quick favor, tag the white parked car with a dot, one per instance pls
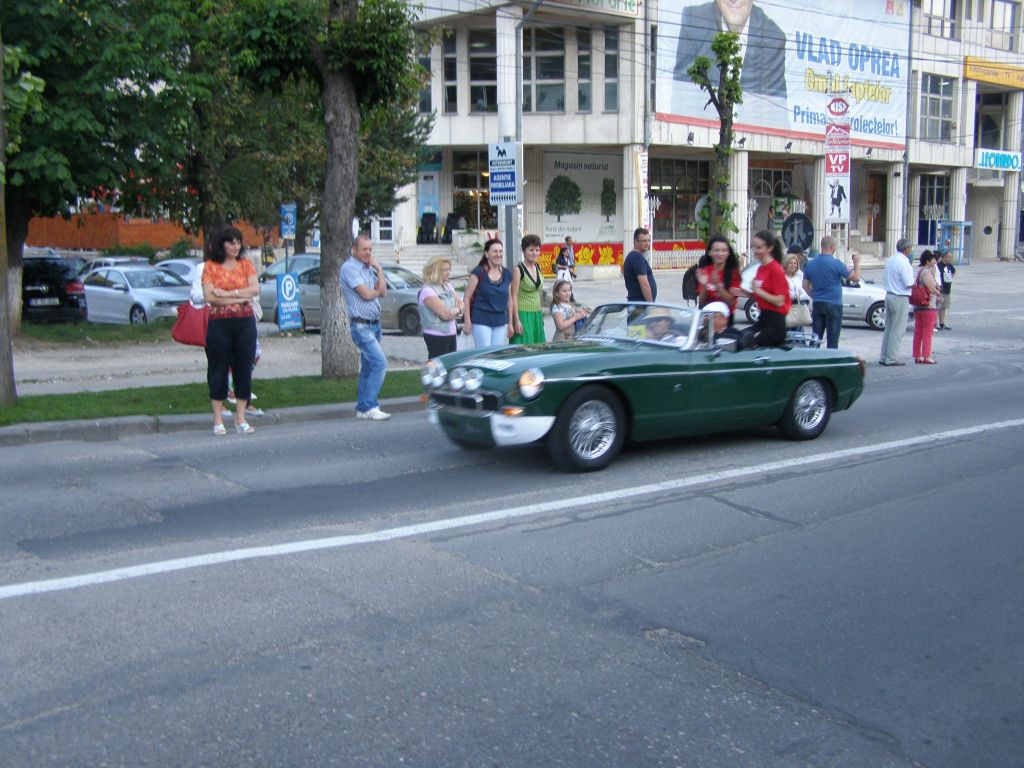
(135, 295)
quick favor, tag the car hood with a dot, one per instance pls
(578, 356)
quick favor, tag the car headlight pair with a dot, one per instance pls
(469, 380)
(433, 374)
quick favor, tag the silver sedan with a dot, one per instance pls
(133, 295)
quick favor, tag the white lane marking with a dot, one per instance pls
(467, 521)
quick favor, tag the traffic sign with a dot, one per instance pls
(289, 309)
(505, 170)
(288, 214)
(798, 230)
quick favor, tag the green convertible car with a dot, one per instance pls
(638, 371)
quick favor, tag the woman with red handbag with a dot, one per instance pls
(924, 315)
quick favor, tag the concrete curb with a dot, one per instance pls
(102, 430)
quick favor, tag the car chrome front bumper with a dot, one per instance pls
(489, 428)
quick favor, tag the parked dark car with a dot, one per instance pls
(51, 291)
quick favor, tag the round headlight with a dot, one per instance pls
(432, 374)
(474, 378)
(457, 379)
(530, 383)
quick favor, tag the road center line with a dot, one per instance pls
(467, 521)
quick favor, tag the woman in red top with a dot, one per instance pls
(718, 272)
(770, 290)
(229, 285)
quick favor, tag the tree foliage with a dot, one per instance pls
(724, 93)
(563, 197)
(608, 198)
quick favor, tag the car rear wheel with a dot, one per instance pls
(409, 321)
(137, 315)
(808, 411)
(876, 316)
(752, 311)
(589, 430)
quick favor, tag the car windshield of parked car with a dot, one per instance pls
(294, 264)
(648, 323)
(153, 278)
(399, 277)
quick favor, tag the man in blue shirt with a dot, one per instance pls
(363, 286)
(637, 272)
(823, 281)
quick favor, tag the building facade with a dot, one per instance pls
(925, 135)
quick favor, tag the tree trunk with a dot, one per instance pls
(17, 216)
(339, 354)
(8, 393)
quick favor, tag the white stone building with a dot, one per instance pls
(604, 90)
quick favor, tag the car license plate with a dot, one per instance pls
(50, 302)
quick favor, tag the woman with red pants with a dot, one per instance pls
(770, 290)
(924, 317)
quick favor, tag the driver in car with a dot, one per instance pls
(659, 325)
(719, 314)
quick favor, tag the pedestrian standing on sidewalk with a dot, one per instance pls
(637, 272)
(363, 286)
(823, 280)
(488, 318)
(924, 317)
(946, 274)
(898, 280)
(527, 289)
(440, 305)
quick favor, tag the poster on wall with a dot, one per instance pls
(797, 55)
(582, 197)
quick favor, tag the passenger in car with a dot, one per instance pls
(717, 312)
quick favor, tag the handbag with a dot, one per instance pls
(190, 327)
(798, 316)
(919, 296)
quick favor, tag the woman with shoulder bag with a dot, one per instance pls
(924, 316)
(799, 314)
(440, 305)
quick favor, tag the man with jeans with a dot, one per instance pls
(823, 280)
(363, 286)
(898, 280)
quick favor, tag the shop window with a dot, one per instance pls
(470, 195)
(934, 206)
(675, 187)
(543, 70)
(937, 108)
(483, 71)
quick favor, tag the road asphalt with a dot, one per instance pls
(55, 370)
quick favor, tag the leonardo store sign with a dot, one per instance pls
(997, 160)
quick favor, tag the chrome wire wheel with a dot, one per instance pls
(810, 406)
(592, 429)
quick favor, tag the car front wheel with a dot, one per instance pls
(876, 316)
(589, 430)
(808, 411)
(752, 311)
(137, 315)
(409, 321)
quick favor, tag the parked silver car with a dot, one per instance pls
(863, 301)
(133, 294)
(183, 268)
(399, 309)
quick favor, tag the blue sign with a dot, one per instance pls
(289, 308)
(503, 168)
(798, 230)
(288, 214)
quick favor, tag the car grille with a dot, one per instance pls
(470, 401)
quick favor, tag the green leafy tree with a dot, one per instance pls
(608, 198)
(360, 57)
(563, 198)
(721, 81)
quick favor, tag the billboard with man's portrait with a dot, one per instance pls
(797, 56)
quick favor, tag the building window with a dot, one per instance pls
(451, 75)
(1002, 24)
(483, 71)
(583, 59)
(652, 68)
(470, 196)
(939, 18)
(936, 108)
(425, 100)
(675, 187)
(543, 70)
(934, 202)
(611, 69)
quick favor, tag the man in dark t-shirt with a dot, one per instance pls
(637, 272)
(946, 273)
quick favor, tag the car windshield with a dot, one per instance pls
(153, 278)
(648, 323)
(294, 264)
(399, 277)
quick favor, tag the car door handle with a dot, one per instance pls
(762, 360)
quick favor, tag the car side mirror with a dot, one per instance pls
(121, 288)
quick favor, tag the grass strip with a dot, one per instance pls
(194, 398)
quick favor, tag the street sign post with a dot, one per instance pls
(288, 214)
(289, 310)
(837, 162)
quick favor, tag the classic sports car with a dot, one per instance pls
(638, 371)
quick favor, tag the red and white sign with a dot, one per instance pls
(837, 134)
(838, 107)
(837, 163)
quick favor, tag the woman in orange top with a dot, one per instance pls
(229, 285)
(718, 272)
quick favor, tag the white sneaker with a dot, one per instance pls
(374, 414)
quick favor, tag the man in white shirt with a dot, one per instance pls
(898, 280)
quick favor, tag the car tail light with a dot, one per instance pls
(75, 286)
